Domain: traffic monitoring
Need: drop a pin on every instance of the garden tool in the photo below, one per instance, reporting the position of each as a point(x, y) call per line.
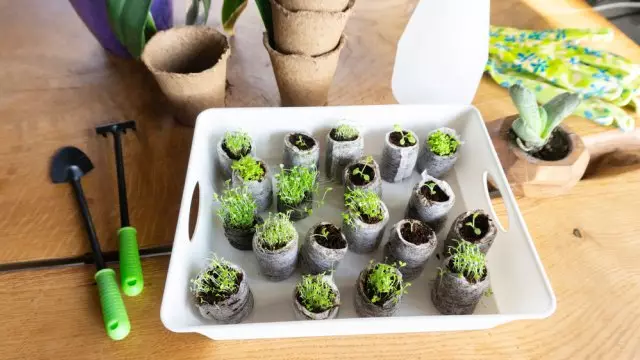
point(131, 278)
point(69, 164)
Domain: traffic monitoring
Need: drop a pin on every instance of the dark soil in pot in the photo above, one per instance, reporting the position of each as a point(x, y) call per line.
point(434, 164)
point(319, 253)
point(352, 181)
point(453, 294)
point(557, 147)
point(461, 231)
point(231, 310)
point(301, 149)
point(398, 160)
point(433, 209)
point(241, 238)
point(340, 153)
point(261, 190)
point(296, 212)
point(412, 242)
point(279, 264)
point(363, 305)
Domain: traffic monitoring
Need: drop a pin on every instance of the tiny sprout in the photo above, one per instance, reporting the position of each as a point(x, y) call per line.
point(300, 142)
point(431, 185)
point(472, 224)
point(488, 292)
point(360, 170)
point(407, 136)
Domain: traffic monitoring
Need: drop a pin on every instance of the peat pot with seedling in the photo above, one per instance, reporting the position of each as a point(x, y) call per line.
point(344, 145)
point(297, 188)
point(364, 220)
point(254, 174)
point(476, 227)
point(363, 174)
point(379, 290)
point(540, 157)
point(399, 154)
point(316, 297)
point(461, 281)
point(439, 153)
point(232, 147)
point(238, 214)
point(301, 149)
point(411, 242)
point(431, 201)
point(222, 293)
point(275, 244)
point(324, 247)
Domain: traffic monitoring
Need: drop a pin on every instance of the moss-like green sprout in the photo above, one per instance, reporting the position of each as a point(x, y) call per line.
point(276, 231)
point(443, 144)
point(383, 282)
point(407, 136)
point(297, 184)
point(361, 202)
point(468, 261)
point(315, 293)
point(237, 142)
point(346, 132)
point(216, 282)
point(472, 224)
point(248, 168)
point(237, 207)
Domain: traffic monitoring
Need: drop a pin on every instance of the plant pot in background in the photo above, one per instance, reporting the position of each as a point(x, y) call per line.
point(398, 161)
point(190, 65)
point(363, 237)
point(276, 265)
point(304, 80)
point(241, 238)
point(436, 165)
point(460, 231)
point(413, 250)
point(314, 5)
point(434, 209)
point(296, 212)
point(375, 179)
point(232, 310)
point(225, 160)
point(365, 308)
point(308, 33)
point(453, 294)
point(341, 153)
point(94, 15)
point(294, 156)
point(301, 313)
point(318, 254)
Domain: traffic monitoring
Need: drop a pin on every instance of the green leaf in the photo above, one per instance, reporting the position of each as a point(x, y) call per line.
point(193, 16)
point(128, 19)
point(558, 109)
point(192, 13)
point(114, 10)
point(264, 7)
point(525, 102)
point(231, 11)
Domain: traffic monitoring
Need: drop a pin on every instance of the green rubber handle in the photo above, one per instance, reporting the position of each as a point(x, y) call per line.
point(114, 314)
point(131, 278)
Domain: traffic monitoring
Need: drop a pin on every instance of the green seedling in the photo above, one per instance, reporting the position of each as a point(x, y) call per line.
point(300, 142)
point(383, 283)
point(431, 186)
point(237, 207)
point(468, 261)
point(361, 202)
point(472, 224)
point(443, 144)
point(217, 282)
point(360, 170)
point(248, 168)
point(315, 293)
point(407, 136)
point(324, 233)
point(238, 143)
point(298, 183)
point(535, 124)
point(276, 231)
point(346, 132)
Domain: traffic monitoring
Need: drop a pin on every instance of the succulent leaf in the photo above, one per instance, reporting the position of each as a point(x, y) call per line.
point(525, 102)
point(558, 109)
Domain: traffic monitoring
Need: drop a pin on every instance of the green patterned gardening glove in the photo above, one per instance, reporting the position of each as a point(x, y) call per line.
point(551, 62)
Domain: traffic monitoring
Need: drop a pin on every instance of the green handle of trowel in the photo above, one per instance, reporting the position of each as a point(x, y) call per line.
point(114, 314)
point(130, 268)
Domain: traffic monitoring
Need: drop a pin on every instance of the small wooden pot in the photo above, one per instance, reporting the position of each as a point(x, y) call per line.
point(276, 265)
point(460, 231)
point(453, 294)
point(225, 161)
point(365, 308)
point(436, 165)
point(434, 213)
point(364, 238)
point(296, 212)
point(530, 176)
point(293, 156)
point(262, 191)
point(241, 238)
point(301, 313)
point(340, 154)
point(316, 258)
point(232, 310)
point(397, 161)
point(398, 248)
point(375, 184)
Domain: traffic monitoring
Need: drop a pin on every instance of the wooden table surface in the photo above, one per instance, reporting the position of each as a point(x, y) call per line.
point(57, 84)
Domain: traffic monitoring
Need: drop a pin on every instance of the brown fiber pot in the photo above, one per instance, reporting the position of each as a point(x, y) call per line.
point(314, 5)
point(190, 66)
point(304, 80)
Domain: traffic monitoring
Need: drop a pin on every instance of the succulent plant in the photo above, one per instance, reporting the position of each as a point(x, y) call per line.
point(536, 123)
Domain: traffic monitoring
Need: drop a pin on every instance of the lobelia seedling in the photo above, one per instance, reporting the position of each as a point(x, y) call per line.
point(217, 282)
point(472, 224)
point(248, 168)
point(315, 293)
point(361, 202)
point(346, 132)
point(383, 283)
point(359, 171)
point(443, 144)
point(536, 124)
point(237, 207)
point(276, 231)
point(468, 261)
point(298, 183)
point(407, 136)
point(237, 142)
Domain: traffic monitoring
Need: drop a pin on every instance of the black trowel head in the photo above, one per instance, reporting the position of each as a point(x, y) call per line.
point(66, 159)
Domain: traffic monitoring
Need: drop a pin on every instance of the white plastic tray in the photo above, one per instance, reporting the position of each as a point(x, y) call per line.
point(521, 289)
